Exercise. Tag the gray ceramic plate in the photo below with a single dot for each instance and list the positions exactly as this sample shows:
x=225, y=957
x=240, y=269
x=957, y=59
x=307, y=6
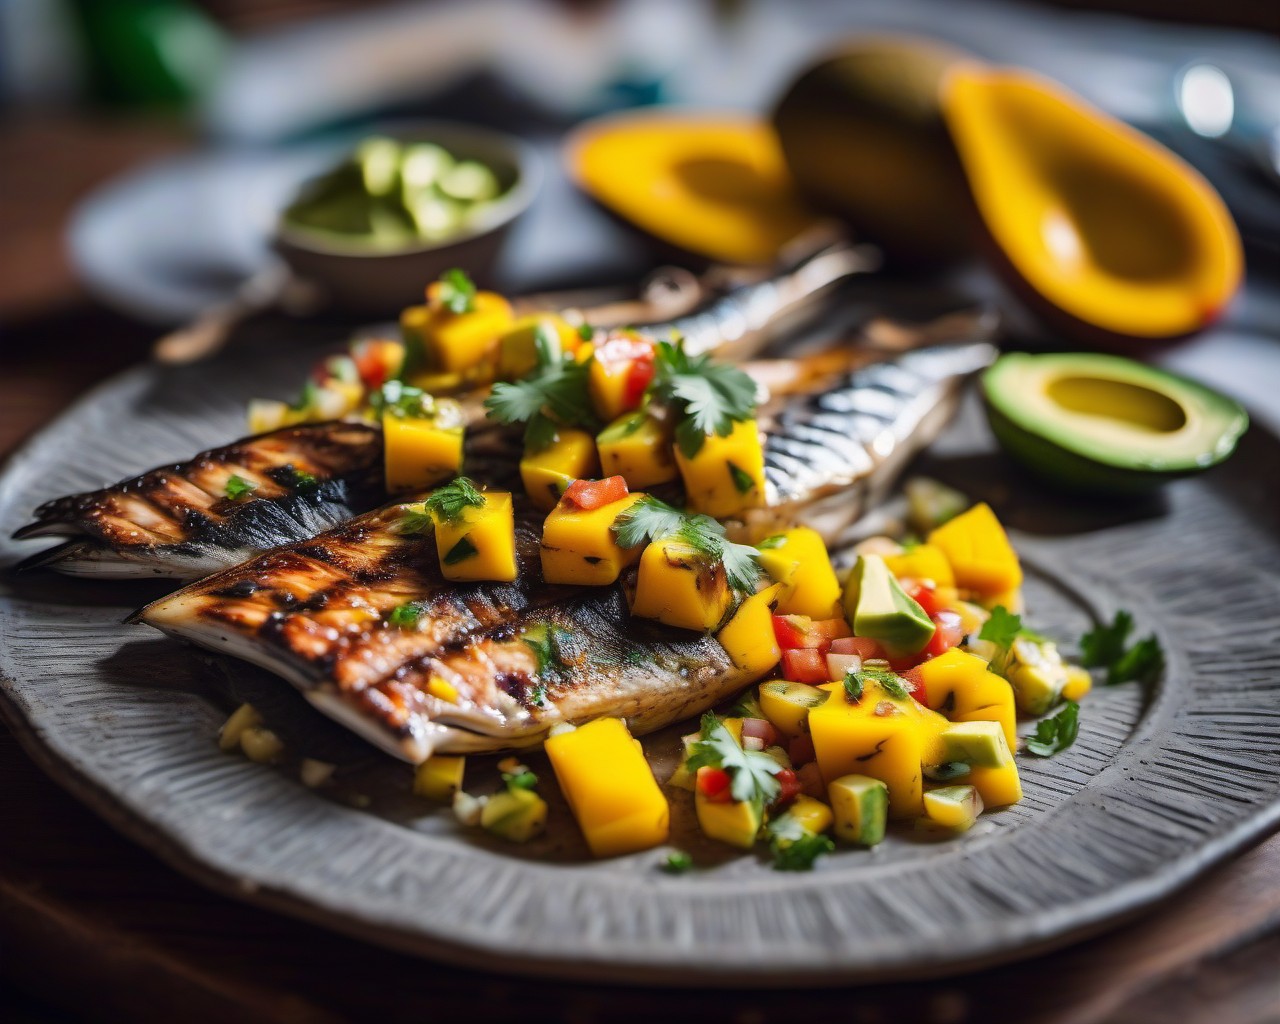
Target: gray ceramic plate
x=1161, y=783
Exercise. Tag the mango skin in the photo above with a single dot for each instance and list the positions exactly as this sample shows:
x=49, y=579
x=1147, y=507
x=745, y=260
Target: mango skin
x=610, y=788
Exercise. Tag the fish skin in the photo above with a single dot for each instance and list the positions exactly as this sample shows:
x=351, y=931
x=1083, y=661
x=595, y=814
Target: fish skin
x=316, y=613
x=176, y=521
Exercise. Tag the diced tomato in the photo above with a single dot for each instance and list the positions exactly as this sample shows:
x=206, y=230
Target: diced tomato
x=591, y=494
x=761, y=729
x=914, y=680
x=804, y=665
x=639, y=377
x=800, y=749
x=926, y=598
x=863, y=646
x=636, y=354
x=714, y=784
x=791, y=631
x=790, y=787
x=947, y=634
x=377, y=361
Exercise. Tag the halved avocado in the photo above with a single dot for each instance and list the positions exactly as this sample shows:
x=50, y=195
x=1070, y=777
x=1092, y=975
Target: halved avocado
x=1105, y=423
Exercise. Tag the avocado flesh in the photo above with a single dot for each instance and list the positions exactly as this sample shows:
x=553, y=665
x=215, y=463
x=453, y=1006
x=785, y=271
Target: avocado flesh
x=1104, y=423
x=878, y=607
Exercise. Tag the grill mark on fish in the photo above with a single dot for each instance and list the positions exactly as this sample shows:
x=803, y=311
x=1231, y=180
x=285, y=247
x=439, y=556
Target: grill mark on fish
x=317, y=613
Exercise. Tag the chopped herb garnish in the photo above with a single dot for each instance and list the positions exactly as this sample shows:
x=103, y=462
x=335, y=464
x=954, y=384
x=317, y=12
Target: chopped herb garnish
x=457, y=291
x=554, y=395
x=776, y=541
x=586, y=332
x=708, y=397
x=544, y=641
x=677, y=863
x=741, y=478
x=650, y=519
x=406, y=616
x=751, y=772
x=892, y=684
x=414, y=519
x=1105, y=647
x=854, y=684
x=522, y=779
x=538, y=695
x=1003, y=628
x=402, y=400
x=460, y=552
x=947, y=771
x=793, y=846
x=450, y=501
x=298, y=479
x=238, y=487
x=1056, y=733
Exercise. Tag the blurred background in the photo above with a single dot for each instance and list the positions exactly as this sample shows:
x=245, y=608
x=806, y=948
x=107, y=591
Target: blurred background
x=147, y=146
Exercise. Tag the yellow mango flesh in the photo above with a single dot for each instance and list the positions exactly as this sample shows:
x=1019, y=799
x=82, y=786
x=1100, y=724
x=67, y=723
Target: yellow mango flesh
x=419, y=453
x=607, y=384
x=1079, y=683
x=439, y=777
x=960, y=686
x=748, y=636
x=854, y=739
x=799, y=558
x=609, y=787
x=812, y=814
x=517, y=347
x=736, y=822
x=922, y=562
x=787, y=705
x=455, y=342
x=726, y=476
x=998, y=787
x=637, y=448
x=578, y=546
x=680, y=586
x=546, y=473
x=978, y=551
x=489, y=529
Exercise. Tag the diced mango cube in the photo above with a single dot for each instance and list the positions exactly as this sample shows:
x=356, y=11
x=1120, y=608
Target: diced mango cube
x=979, y=552
x=999, y=786
x=518, y=345
x=619, y=373
x=953, y=807
x=1079, y=683
x=579, y=547
x=481, y=543
x=420, y=452
x=736, y=822
x=922, y=562
x=813, y=815
x=637, y=448
x=959, y=685
x=440, y=339
x=439, y=777
x=679, y=585
x=881, y=736
x=546, y=473
x=726, y=476
x=748, y=636
x=609, y=787
x=799, y=558
x=787, y=705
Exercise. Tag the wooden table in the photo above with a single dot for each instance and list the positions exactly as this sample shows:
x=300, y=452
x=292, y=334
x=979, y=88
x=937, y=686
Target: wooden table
x=95, y=927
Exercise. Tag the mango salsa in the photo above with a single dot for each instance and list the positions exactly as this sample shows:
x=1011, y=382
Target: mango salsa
x=681, y=586
x=726, y=476
x=578, y=546
x=748, y=636
x=618, y=374
x=736, y=822
x=546, y=473
x=454, y=342
x=637, y=448
x=922, y=562
x=799, y=558
x=609, y=787
x=978, y=551
x=960, y=686
x=421, y=451
x=787, y=705
x=518, y=349
x=481, y=543
x=880, y=736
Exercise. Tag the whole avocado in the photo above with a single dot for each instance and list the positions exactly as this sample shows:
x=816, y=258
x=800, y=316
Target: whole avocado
x=864, y=138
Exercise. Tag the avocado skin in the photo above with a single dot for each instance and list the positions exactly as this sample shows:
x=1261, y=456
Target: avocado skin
x=1073, y=471
x=863, y=135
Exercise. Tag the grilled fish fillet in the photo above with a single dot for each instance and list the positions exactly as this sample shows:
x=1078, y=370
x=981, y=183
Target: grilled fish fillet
x=465, y=678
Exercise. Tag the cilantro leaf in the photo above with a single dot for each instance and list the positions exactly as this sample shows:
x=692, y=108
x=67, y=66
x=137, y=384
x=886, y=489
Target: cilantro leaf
x=554, y=395
x=457, y=291
x=646, y=520
x=238, y=487
x=413, y=519
x=776, y=541
x=742, y=480
x=406, y=616
x=1105, y=647
x=586, y=332
x=291, y=476
x=793, y=846
x=751, y=772
x=451, y=500
x=1142, y=662
x=854, y=685
x=650, y=519
x=1003, y=628
x=1056, y=733
x=523, y=779
x=708, y=397
x=677, y=863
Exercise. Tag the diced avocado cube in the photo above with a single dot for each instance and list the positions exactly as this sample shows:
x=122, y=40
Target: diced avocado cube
x=422, y=163
x=861, y=808
x=953, y=807
x=976, y=743
x=877, y=607
x=516, y=815
x=469, y=181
